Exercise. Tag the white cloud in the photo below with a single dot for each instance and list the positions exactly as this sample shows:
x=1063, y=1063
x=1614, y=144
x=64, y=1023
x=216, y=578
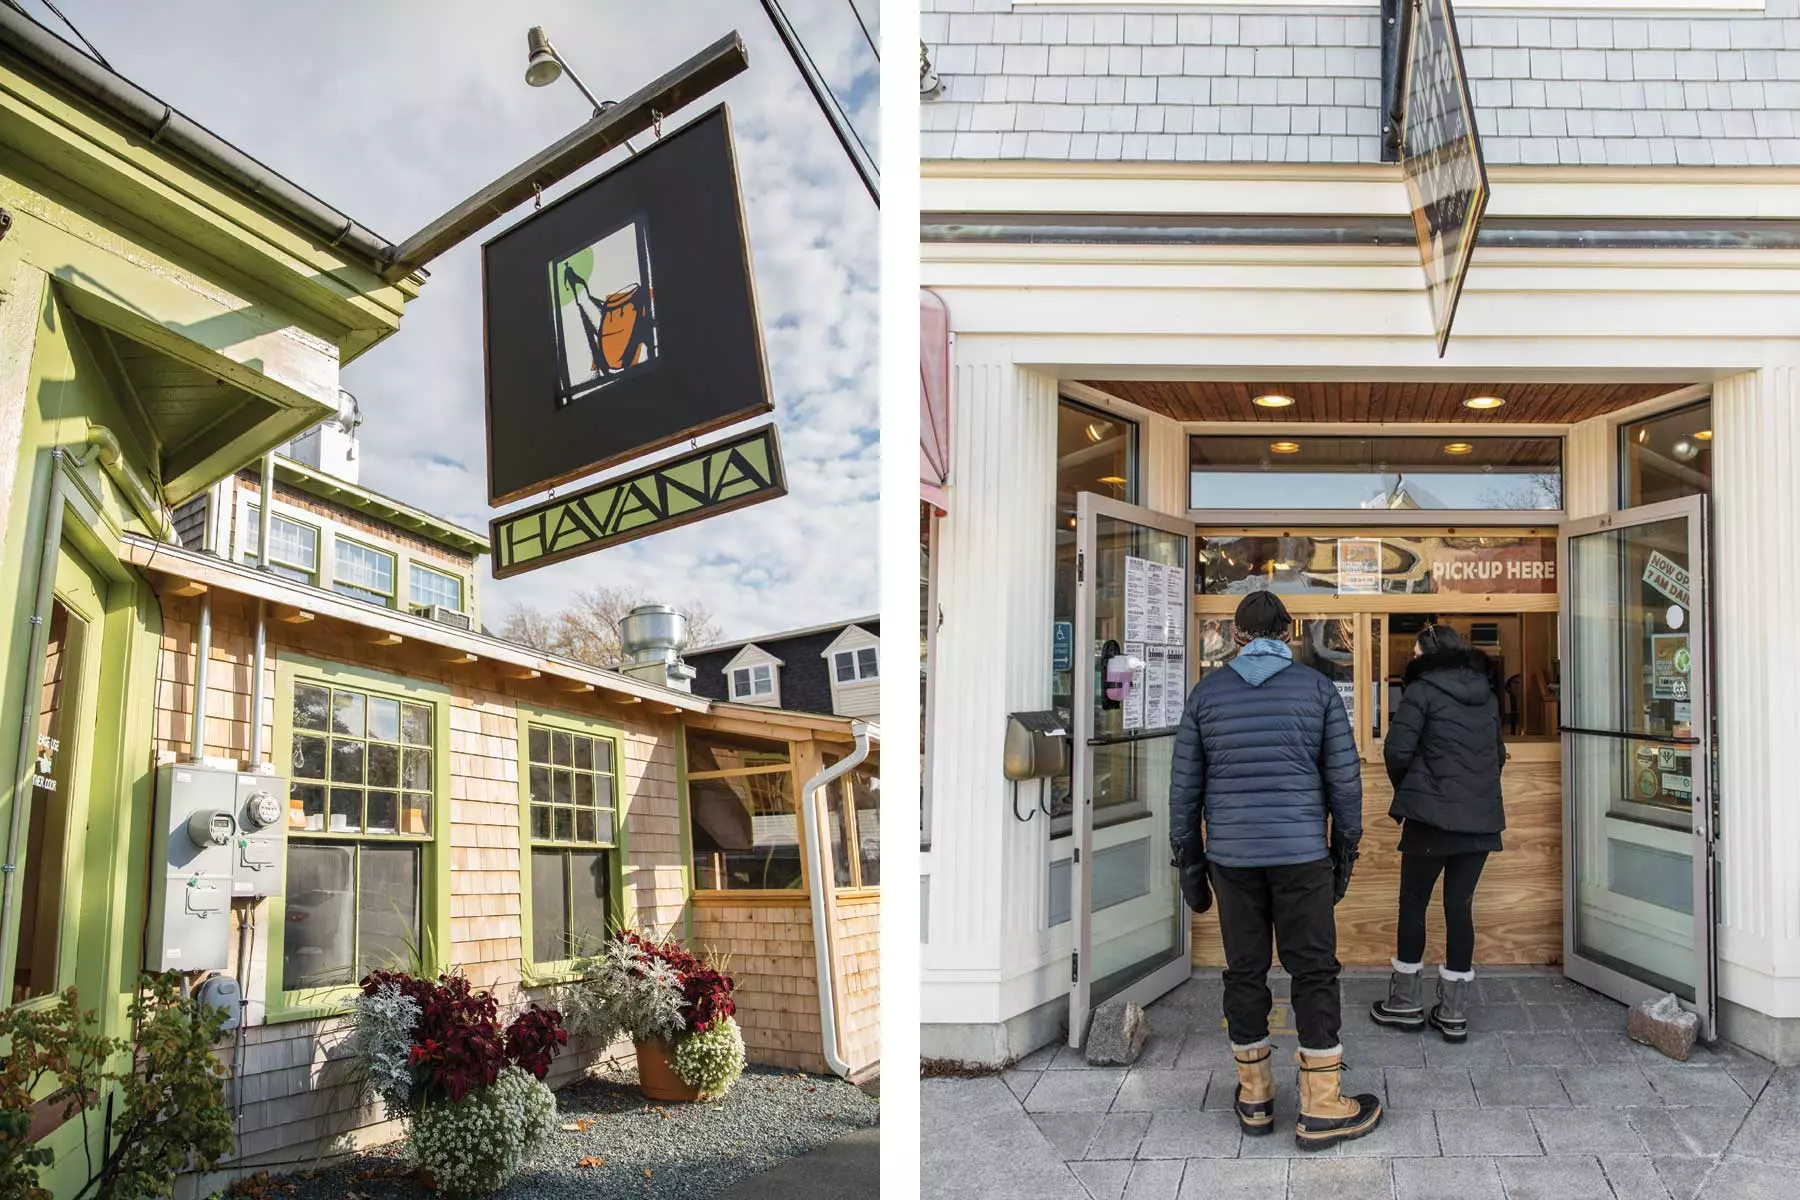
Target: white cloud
x=395, y=111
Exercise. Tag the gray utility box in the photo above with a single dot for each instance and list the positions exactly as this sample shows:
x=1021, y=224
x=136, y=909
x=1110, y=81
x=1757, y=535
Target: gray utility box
x=217, y=835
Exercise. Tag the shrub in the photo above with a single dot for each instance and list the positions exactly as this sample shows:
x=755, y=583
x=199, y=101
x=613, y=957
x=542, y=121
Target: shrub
x=453, y=1044
x=474, y=1146
x=57, y=1043
x=711, y=1060
x=626, y=990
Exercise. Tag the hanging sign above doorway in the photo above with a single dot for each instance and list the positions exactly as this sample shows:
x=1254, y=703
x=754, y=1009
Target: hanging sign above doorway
x=715, y=479
x=1440, y=158
x=622, y=319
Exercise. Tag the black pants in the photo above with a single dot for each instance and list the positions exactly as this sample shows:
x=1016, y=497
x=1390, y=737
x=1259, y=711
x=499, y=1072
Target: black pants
x=1418, y=876
x=1294, y=903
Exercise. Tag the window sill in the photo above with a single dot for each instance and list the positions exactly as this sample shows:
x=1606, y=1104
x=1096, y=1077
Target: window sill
x=771, y=897
x=543, y=975
x=859, y=895
x=313, y=1004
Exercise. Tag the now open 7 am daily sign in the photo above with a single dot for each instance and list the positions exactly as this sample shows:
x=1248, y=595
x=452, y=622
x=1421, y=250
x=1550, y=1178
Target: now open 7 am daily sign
x=1440, y=157
x=726, y=475
x=621, y=319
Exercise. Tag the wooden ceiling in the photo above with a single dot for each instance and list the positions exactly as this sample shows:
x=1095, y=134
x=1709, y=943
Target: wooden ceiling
x=1232, y=451
x=1526, y=403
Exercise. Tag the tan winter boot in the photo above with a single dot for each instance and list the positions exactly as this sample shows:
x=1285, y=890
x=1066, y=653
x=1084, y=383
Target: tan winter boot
x=1326, y=1115
x=1255, y=1102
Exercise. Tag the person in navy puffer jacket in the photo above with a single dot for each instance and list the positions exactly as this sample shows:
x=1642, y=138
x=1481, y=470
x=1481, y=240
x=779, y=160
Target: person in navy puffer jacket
x=1266, y=762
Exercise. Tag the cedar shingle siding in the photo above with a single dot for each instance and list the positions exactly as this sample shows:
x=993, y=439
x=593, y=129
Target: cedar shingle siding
x=805, y=677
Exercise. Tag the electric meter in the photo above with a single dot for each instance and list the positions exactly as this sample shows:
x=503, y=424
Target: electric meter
x=263, y=810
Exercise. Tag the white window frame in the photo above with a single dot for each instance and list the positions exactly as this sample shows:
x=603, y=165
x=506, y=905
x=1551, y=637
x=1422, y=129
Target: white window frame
x=857, y=674
x=754, y=659
x=754, y=674
x=252, y=528
x=858, y=696
x=417, y=605
x=337, y=585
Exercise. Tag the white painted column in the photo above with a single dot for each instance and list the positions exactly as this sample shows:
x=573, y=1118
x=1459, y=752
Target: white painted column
x=995, y=579
x=1756, y=528
x=1590, y=484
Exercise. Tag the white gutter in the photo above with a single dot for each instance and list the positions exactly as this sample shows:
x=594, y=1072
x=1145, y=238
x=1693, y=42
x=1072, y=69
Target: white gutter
x=822, y=880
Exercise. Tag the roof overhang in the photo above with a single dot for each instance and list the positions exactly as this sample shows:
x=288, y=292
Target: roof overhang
x=209, y=571
x=340, y=491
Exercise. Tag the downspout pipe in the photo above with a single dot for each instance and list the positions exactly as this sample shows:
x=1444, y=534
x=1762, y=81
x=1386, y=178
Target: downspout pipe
x=151, y=118
x=40, y=639
x=137, y=493
x=821, y=880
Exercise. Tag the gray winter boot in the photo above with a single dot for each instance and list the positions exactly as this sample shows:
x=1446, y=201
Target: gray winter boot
x=1403, y=1008
x=1450, y=1015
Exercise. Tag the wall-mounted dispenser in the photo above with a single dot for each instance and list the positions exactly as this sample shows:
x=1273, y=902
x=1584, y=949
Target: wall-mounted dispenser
x=1037, y=745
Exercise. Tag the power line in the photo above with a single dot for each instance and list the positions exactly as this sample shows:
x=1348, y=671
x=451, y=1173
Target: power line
x=864, y=26
x=81, y=37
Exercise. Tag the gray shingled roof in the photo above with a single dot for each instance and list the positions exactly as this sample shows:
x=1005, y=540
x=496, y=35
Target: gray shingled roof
x=1688, y=89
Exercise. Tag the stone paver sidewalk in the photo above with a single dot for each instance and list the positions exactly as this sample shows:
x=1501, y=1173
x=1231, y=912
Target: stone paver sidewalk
x=1548, y=1100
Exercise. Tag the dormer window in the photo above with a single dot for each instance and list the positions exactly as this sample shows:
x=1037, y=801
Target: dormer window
x=854, y=666
x=749, y=683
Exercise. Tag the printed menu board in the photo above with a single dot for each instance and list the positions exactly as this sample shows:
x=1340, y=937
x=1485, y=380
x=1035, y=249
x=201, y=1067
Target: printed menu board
x=1155, y=635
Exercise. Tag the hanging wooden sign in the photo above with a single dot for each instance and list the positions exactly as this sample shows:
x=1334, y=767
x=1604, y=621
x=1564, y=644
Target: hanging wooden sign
x=716, y=479
x=622, y=319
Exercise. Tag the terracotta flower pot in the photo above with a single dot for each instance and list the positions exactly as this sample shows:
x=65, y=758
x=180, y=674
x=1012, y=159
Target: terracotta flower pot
x=657, y=1077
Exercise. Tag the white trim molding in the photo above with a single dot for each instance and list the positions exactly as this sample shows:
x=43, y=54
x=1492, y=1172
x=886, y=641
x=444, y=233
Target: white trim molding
x=757, y=662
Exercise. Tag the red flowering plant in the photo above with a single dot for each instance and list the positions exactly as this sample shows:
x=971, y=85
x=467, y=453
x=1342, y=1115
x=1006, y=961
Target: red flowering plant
x=440, y=1039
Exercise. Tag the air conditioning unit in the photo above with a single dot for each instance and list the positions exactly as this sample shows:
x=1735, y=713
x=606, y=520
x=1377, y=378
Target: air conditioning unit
x=447, y=616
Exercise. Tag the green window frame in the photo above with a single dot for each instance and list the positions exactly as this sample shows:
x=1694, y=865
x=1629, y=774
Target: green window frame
x=285, y=534
x=426, y=586
x=363, y=569
x=572, y=851
x=367, y=832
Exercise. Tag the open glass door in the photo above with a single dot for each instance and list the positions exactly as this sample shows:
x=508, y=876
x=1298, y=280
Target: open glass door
x=1133, y=599
x=1637, y=756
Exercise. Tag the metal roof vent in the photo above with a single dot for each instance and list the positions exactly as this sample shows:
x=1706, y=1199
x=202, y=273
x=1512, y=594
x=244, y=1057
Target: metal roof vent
x=651, y=637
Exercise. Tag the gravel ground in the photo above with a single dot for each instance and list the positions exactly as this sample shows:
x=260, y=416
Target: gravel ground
x=669, y=1152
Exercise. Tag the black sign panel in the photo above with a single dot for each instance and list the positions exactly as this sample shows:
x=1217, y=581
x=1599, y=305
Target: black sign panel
x=1446, y=180
x=622, y=318
x=720, y=478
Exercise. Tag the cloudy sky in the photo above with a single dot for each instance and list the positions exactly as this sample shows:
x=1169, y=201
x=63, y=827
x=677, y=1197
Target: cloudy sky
x=394, y=110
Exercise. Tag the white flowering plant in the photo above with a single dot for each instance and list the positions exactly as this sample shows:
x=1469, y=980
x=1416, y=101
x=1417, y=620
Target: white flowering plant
x=473, y=1147
x=382, y=1042
x=711, y=1061
x=625, y=990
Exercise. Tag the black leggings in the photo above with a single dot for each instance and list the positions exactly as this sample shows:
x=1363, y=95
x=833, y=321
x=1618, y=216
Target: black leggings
x=1418, y=876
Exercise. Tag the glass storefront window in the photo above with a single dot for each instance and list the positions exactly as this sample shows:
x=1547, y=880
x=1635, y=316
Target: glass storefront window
x=743, y=813
x=1095, y=452
x=1666, y=456
x=1475, y=564
x=1438, y=473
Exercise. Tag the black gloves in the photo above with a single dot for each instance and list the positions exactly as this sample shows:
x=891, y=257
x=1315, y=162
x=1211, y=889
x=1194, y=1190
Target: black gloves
x=1196, y=889
x=1343, y=860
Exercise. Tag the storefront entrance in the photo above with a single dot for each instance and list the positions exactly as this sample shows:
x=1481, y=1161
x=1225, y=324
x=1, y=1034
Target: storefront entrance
x=1638, y=754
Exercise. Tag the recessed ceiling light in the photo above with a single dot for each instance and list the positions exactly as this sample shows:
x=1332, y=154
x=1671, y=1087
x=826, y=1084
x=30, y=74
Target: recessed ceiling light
x=1705, y=435
x=1483, y=402
x=1458, y=448
x=1273, y=400
x=1095, y=431
x=1285, y=447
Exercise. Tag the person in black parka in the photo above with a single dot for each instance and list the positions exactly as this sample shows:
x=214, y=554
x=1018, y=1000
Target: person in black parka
x=1444, y=751
x=1266, y=793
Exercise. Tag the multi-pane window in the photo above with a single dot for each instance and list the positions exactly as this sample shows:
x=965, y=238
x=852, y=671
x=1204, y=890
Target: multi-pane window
x=426, y=587
x=574, y=825
x=749, y=682
x=853, y=821
x=743, y=813
x=851, y=666
x=360, y=800
x=293, y=546
x=363, y=571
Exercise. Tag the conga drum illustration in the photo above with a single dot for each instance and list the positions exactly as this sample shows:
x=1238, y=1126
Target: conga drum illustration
x=624, y=329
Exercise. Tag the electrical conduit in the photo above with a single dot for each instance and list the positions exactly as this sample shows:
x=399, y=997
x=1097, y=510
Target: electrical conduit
x=821, y=880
